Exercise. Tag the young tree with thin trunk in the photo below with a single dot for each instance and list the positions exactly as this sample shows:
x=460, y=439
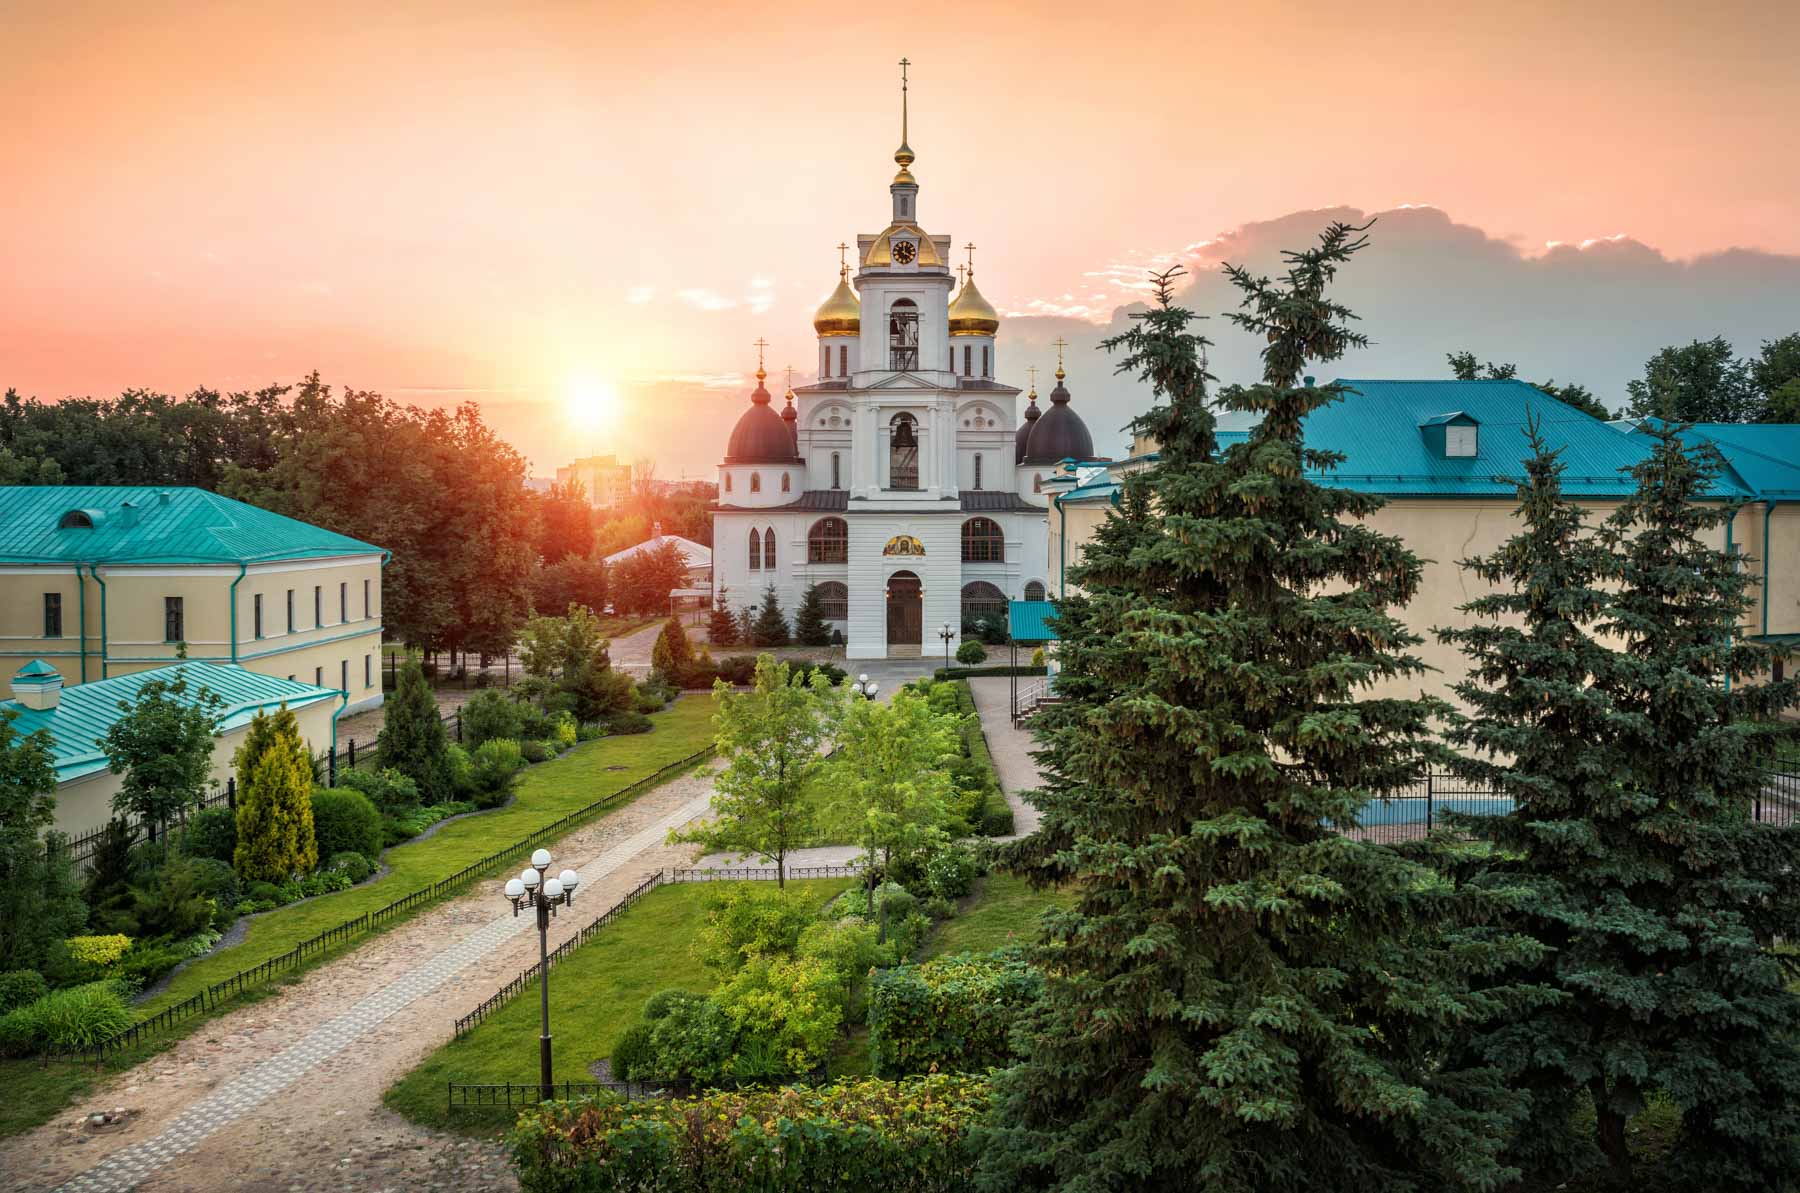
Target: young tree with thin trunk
x=163, y=746
x=1244, y=997
x=770, y=736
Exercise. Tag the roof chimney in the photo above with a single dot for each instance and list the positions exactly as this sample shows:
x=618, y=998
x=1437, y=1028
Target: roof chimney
x=37, y=686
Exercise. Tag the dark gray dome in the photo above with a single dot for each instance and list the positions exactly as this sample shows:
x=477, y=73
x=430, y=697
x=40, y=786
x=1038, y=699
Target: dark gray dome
x=1060, y=434
x=1032, y=413
x=761, y=436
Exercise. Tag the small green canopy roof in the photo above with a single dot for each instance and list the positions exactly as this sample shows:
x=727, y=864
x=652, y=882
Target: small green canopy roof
x=1029, y=621
x=36, y=669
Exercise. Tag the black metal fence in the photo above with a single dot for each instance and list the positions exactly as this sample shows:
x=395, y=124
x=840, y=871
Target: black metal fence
x=517, y=986
x=296, y=957
x=489, y=1097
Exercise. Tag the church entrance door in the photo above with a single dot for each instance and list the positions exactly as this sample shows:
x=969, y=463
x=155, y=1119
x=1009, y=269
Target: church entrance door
x=905, y=612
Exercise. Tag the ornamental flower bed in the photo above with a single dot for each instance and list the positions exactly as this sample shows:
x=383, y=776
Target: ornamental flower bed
x=910, y=1136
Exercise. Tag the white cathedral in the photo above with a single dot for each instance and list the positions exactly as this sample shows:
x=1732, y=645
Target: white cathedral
x=903, y=482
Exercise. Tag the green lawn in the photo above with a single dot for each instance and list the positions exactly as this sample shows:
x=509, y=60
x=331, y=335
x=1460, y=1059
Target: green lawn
x=594, y=996
x=1002, y=910
x=547, y=792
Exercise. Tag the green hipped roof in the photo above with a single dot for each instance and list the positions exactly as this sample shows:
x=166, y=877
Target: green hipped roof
x=1376, y=429
x=1766, y=456
x=1029, y=621
x=85, y=712
x=36, y=669
x=154, y=524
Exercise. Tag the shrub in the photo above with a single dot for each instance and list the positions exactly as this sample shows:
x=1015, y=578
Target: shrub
x=951, y=1014
x=73, y=1018
x=648, y=700
x=971, y=653
x=353, y=866
x=796, y=1006
x=98, y=950
x=914, y=1136
x=344, y=821
x=1037, y=657
x=672, y=653
x=19, y=987
x=627, y=722
x=216, y=880
x=738, y=670
x=633, y=1053
x=951, y=872
x=392, y=793
x=211, y=833
x=263, y=892
x=664, y=1001
x=495, y=772
x=536, y=751
x=693, y=1042
x=489, y=715
x=564, y=731
x=747, y=919
x=275, y=833
x=802, y=672
x=146, y=963
x=173, y=904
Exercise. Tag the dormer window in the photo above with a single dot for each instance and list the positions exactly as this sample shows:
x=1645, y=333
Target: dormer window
x=76, y=520
x=1454, y=436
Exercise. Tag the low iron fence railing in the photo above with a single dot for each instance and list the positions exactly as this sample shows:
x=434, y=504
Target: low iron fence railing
x=245, y=979
x=763, y=873
x=490, y=1097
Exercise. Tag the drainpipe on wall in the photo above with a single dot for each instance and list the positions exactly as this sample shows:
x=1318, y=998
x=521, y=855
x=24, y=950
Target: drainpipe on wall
x=1768, y=509
x=1731, y=554
x=242, y=568
x=95, y=568
x=343, y=703
x=81, y=605
x=1062, y=542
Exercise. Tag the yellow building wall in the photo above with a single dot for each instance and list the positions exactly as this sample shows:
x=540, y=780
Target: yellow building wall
x=328, y=650
x=86, y=803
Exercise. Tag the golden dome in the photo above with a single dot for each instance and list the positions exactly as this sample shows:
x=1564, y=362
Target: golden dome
x=970, y=314
x=881, y=249
x=841, y=314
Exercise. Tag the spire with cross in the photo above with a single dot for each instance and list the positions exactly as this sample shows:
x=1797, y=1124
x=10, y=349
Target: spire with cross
x=843, y=265
x=904, y=154
x=1033, y=371
x=971, y=247
x=760, y=345
x=1060, y=345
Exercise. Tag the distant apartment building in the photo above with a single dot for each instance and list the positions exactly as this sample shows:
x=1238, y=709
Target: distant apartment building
x=105, y=581
x=606, y=481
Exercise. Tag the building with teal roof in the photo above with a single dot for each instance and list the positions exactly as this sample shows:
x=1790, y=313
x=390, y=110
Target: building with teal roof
x=1448, y=454
x=101, y=581
x=76, y=718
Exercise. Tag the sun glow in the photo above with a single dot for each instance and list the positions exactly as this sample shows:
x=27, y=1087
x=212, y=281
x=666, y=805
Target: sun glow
x=591, y=403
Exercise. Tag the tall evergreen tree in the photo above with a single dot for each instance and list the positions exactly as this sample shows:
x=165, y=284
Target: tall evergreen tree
x=274, y=810
x=412, y=739
x=721, y=625
x=672, y=655
x=770, y=627
x=1243, y=998
x=810, y=626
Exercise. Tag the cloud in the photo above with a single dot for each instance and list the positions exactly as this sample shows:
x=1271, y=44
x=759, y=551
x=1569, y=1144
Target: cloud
x=706, y=300
x=1591, y=309
x=641, y=295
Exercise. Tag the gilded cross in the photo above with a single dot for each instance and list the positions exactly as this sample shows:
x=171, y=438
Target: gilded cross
x=1060, y=345
x=760, y=345
x=959, y=274
x=1033, y=371
x=971, y=247
x=843, y=266
x=790, y=380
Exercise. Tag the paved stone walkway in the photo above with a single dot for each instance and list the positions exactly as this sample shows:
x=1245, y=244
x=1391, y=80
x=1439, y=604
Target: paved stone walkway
x=1010, y=747
x=350, y=1052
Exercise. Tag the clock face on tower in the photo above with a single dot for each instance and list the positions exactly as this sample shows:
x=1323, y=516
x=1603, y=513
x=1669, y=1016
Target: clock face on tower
x=904, y=252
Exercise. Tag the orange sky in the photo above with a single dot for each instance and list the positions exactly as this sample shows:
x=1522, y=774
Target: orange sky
x=428, y=199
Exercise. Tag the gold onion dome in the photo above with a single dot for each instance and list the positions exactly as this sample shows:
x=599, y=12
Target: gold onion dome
x=840, y=314
x=971, y=314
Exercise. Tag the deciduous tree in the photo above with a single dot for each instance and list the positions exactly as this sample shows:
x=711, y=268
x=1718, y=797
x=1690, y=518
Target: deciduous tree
x=163, y=745
x=1703, y=382
x=39, y=899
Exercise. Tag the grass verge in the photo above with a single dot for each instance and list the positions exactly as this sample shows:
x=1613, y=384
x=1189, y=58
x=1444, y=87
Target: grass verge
x=1002, y=910
x=595, y=994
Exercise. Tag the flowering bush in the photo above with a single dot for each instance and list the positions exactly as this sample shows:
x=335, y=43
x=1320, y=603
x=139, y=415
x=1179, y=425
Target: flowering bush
x=900, y=1137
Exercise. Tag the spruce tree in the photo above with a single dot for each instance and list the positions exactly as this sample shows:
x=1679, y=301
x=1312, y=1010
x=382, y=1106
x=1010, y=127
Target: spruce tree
x=1243, y=998
x=770, y=627
x=274, y=809
x=412, y=739
x=721, y=626
x=810, y=626
x=672, y=655
x=1633, y=841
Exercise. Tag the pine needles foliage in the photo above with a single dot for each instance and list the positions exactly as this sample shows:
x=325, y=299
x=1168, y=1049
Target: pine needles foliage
x=1605, y=698
x=1244, y=998
x=275, y=838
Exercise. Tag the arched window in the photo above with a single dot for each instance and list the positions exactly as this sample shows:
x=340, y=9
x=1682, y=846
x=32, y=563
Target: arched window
x=728, y=482
x=903, y=334
x=1034, y=591
x=828, y=541
x=837, y=479
x=824, y=360
x=755, y=550
x=981, y=601
x=982, y=541
x=903, y=453
x=984, y=361
x=769, y=549
x=835, y=598
x=978, y=470
x=1037, y=483
x=843, y=360
x=784, y=483
x=968, y=359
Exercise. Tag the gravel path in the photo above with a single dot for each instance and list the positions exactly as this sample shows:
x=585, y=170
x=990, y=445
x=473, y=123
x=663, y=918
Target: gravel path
x=285, y=1093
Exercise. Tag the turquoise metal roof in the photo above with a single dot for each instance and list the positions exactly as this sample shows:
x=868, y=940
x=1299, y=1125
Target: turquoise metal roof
x=151, y=524
x=1765, y=455
x=86, y=711
x=1029, y=621
x=1377, y=428
x=35, y=669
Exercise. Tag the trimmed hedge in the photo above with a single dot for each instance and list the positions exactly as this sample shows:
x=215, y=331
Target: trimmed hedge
x=943, y=673
x=900, y=1137
x=994, y=816
x=951, y=1014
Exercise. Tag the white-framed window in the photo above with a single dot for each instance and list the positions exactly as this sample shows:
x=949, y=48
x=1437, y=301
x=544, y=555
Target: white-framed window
x=1459, y=441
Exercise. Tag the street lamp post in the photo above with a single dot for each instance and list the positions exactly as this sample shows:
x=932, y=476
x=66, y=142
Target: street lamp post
x=535, y=888
x=865, y=687
x=946, y=633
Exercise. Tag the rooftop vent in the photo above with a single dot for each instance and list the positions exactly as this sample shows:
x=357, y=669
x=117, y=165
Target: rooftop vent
x=38, y=686
x=1453, y=436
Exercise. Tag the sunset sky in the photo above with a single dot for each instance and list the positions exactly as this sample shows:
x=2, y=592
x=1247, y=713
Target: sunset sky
x=519, y=203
